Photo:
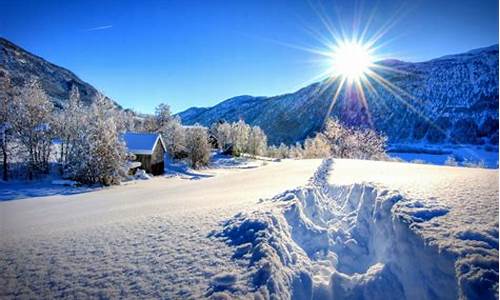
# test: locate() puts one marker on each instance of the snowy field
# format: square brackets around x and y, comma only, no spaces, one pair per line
[337,229]
[374,230]
[147,239]
[437,154]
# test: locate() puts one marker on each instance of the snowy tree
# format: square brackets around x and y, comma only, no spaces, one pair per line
[125,120]
[257,141]
[316,147]
[451,161]
[67,124]
[239,137]
[222,132]
[353,143]
[338,138]
[283,151]
[368,144]
[6,114]
[174,136]
[148,124]
[272,151]
[197,146]
[32,125]
[99,154]
[163,115]
[296,151]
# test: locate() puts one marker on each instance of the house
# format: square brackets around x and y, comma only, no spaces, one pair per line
[148,149]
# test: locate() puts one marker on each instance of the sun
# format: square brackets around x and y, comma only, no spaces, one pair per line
[351,60]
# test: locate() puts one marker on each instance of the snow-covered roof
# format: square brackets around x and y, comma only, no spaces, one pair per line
[142,143]
[194,126]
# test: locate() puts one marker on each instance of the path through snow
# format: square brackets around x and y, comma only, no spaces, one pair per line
[373,230]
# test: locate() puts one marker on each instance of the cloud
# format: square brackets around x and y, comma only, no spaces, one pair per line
[104,27]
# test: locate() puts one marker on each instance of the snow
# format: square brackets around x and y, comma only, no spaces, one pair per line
[438,154]
[12,190]
[303,229]
[141,143]
[64,182]
[147,239]
[374,230]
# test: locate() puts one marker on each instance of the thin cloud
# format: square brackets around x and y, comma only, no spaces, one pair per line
[104,27]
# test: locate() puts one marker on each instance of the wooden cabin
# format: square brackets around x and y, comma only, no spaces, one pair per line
[148,149]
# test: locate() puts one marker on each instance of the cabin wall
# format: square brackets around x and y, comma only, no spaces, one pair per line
[157,160]
[145,162]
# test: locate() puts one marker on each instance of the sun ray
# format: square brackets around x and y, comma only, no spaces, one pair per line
[334,100]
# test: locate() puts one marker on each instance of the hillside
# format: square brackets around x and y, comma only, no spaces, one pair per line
[456,93]
[20,65]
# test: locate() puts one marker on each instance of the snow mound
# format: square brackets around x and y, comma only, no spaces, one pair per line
[359,241]
[141,174]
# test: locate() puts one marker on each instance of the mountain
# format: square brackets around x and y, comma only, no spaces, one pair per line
[451,99]
[20,65]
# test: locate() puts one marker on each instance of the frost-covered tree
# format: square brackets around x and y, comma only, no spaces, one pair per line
[174,136]
[6,114]
[99,154]
[347,142]
[316,147]
[163,115]
[197,146]
[283,151]
[338,138]
[222,132]
[239,137]
[67,123]
[32,125]
[257,141]
[296,151]
[125,120]
[368,144]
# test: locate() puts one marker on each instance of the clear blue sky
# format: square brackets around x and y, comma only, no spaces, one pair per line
[198,53]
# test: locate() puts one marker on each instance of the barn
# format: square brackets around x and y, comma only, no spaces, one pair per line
[148,149]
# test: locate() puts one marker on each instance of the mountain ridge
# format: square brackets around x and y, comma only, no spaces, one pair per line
[19,65]
[456,95]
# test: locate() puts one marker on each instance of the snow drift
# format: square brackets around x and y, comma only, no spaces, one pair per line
[357,241]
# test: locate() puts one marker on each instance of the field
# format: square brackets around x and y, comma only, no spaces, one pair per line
[301,228]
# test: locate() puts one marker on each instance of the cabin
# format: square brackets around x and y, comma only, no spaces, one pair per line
[148,149]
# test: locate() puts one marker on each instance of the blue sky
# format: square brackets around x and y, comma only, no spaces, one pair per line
[198,53]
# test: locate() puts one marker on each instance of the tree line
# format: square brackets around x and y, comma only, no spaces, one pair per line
[86,141]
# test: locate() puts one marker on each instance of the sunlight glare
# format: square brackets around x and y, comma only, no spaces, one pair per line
[351,60]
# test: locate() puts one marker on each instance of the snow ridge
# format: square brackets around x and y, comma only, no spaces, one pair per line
[358,241]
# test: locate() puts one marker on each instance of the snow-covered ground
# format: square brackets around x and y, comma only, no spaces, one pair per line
[374,230]
[21,189]
[147,239]
[343,229]
[485,156]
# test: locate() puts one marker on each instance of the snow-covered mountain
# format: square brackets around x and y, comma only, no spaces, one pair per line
[19,65]
[449,99]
